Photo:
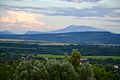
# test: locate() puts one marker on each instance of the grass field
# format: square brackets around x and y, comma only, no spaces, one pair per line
[93,57]
[103,57]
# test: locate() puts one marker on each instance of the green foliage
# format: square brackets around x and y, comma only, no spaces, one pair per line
[53,68]
[66,58]
[75,57]
[85,72]
[61,71]
[31,47]
[30,70]
[68,69]
[68,72]
[4,71]
[102,74]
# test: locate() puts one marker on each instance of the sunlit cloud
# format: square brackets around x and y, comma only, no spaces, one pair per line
[7,20]
[14,17]
[23,21]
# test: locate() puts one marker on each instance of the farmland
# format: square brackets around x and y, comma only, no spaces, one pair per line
[56,48]
[62,56]
[18,57]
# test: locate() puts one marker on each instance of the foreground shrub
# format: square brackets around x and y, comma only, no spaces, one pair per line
[31,70]
[102,74]
[53,68]
[61,70]
[4,71]
[85,72]
[68,72]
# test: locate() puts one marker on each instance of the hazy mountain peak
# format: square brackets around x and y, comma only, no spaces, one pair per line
[6,32]
[77,28]
[71,28]
[34,32]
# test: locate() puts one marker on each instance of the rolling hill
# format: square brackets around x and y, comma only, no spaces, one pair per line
[88,37]
[71,28]
[77,28]
[6,32]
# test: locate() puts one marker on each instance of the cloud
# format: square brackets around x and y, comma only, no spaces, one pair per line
[29,18]
[7,20]
[79,1]
[23,21]
[96,11]
[19,17]
[23,16]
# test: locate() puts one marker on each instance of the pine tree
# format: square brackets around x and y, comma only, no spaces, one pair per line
[75,57]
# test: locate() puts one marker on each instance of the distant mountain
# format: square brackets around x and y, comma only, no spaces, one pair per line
[89,37]
[77,28]
[71,28]
[6,32]
[35,32]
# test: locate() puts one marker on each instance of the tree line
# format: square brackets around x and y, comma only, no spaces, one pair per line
[70,68]
[87,50]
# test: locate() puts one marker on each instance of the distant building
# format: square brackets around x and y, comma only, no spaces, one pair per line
[84,60]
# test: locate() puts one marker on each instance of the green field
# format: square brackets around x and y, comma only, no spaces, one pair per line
[62,56]
[103,57]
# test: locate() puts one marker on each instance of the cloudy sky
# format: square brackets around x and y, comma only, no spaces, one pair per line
[20,16]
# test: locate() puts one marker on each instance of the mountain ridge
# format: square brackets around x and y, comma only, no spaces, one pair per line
[77,28]
[71,28]
[6,32]
[76,37]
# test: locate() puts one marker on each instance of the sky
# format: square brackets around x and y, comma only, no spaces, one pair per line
[20,16]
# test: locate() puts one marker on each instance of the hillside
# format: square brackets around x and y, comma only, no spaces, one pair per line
[6,32]
[76,37]
[77,28]
[71,28]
